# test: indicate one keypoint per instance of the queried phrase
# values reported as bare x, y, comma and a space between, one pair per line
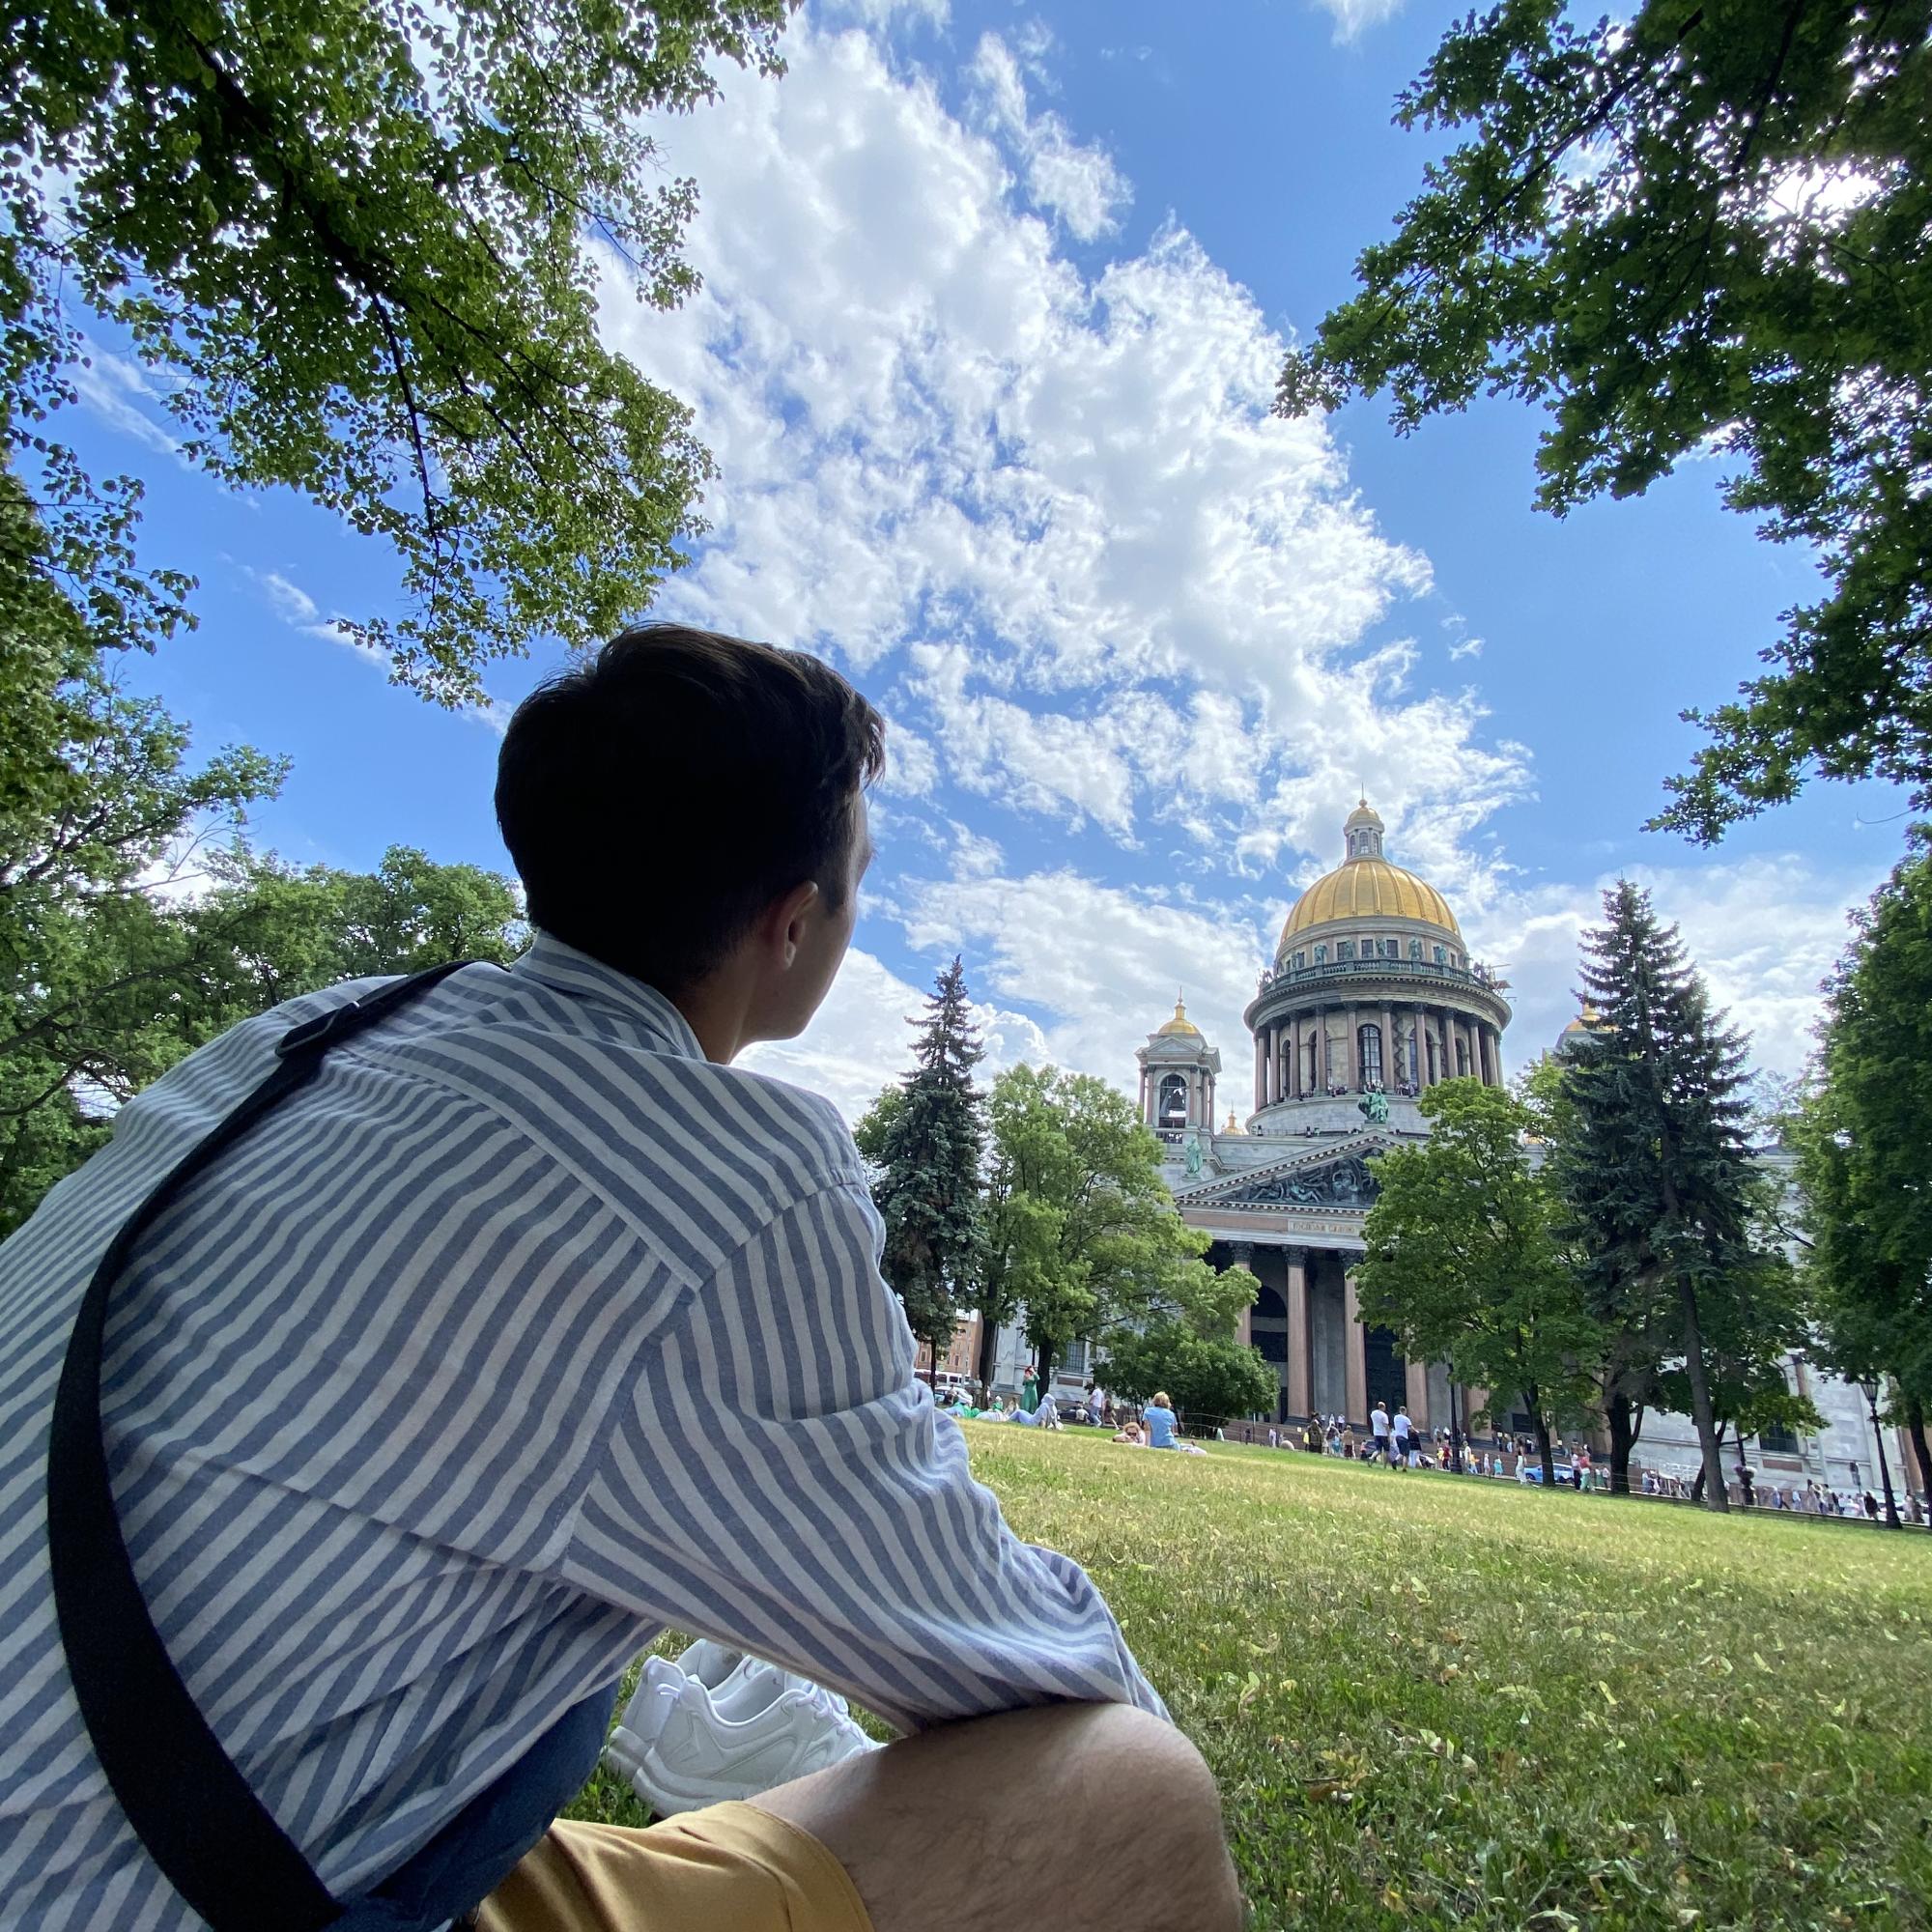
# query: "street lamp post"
1871, 1389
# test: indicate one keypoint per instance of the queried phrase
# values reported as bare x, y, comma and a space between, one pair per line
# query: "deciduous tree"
361, 249
1694, 228
1464, 1262
1864, 1141
1211, 1377
1082, 1236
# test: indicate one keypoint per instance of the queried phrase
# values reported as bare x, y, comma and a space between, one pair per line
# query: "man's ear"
788, 919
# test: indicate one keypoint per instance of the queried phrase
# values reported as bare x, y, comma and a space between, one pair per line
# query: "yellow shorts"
729, 1865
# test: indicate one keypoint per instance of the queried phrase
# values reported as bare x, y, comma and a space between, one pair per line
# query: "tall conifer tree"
1654, 1164
926, 1147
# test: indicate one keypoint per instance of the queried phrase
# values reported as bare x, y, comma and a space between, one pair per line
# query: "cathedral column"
1241, 1254
1277, 1085
1496, 1052
1260, 1068
1298, 1397
1355, 1364
1144, 1094
1353, 1061
1388, 1048
1417, 1384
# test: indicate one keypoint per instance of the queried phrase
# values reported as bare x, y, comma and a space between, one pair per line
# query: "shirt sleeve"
781, 1481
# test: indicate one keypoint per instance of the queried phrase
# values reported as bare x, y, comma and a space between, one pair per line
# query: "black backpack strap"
211, 1836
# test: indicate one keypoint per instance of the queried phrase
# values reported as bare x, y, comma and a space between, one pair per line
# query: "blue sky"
994, 298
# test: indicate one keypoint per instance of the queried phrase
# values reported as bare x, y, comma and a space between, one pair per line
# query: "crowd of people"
1396, 1442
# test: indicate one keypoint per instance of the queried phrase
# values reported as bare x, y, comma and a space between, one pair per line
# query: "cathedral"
1369, 1000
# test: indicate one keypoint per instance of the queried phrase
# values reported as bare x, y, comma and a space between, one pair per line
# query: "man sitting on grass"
527, 1329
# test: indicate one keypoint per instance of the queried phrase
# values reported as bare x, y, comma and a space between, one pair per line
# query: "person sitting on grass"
1159, 1421
511, 1325
1129, 1433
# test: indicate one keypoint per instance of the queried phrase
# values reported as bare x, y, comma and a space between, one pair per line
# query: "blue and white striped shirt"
522, 1334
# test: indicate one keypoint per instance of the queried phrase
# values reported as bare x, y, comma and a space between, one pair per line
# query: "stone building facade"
1370, 999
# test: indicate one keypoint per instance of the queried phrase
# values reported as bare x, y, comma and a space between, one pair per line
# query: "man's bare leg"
1095, 1814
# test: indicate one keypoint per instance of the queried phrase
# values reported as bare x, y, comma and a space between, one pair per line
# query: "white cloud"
1764, 931
888, 13
912, 767
974, 855
860, 1041
1079, 183
293, 605
1101, 964
1354, 17
115, 388
1147, 595
297, 609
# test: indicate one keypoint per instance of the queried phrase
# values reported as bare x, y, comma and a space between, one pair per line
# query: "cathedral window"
1441, 955
1369, 1049
1302, 959
1172, 1102
1344, 948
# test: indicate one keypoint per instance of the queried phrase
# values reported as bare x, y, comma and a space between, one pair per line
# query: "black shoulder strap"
217, 1842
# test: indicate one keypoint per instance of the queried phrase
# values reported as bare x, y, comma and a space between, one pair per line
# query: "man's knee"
1152, 1812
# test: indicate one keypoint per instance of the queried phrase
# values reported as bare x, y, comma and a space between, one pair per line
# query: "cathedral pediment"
1332, 1177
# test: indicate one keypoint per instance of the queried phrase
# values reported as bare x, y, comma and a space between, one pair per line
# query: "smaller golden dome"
1587, 1021
1364, 813
1231, 1127
1179, 1023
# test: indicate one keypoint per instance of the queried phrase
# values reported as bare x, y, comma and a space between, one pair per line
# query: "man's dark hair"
657, 798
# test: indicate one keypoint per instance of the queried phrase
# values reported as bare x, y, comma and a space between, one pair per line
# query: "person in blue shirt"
1159, 1420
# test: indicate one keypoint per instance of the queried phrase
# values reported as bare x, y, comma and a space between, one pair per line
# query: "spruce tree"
927, 1149
1655, 1171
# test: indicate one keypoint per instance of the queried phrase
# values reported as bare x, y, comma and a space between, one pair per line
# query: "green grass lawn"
1433, 1700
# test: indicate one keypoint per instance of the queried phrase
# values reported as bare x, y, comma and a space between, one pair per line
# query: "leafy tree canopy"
1211, 1377
1463, 1261
1700, 228
1082, 1234
1863, 1139
361, 247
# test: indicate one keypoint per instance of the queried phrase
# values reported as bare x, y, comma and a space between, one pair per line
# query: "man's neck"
719, 1014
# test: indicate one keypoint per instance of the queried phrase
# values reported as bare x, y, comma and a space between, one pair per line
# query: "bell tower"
1178, 1071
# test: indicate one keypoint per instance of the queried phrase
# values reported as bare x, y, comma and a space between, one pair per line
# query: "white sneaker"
721, 1669
683, 1746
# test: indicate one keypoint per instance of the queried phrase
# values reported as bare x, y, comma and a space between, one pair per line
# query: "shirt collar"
563, 968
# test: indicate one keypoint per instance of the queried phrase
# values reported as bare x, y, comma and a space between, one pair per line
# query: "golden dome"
1179, 1023
1369, 889
1589, 1020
